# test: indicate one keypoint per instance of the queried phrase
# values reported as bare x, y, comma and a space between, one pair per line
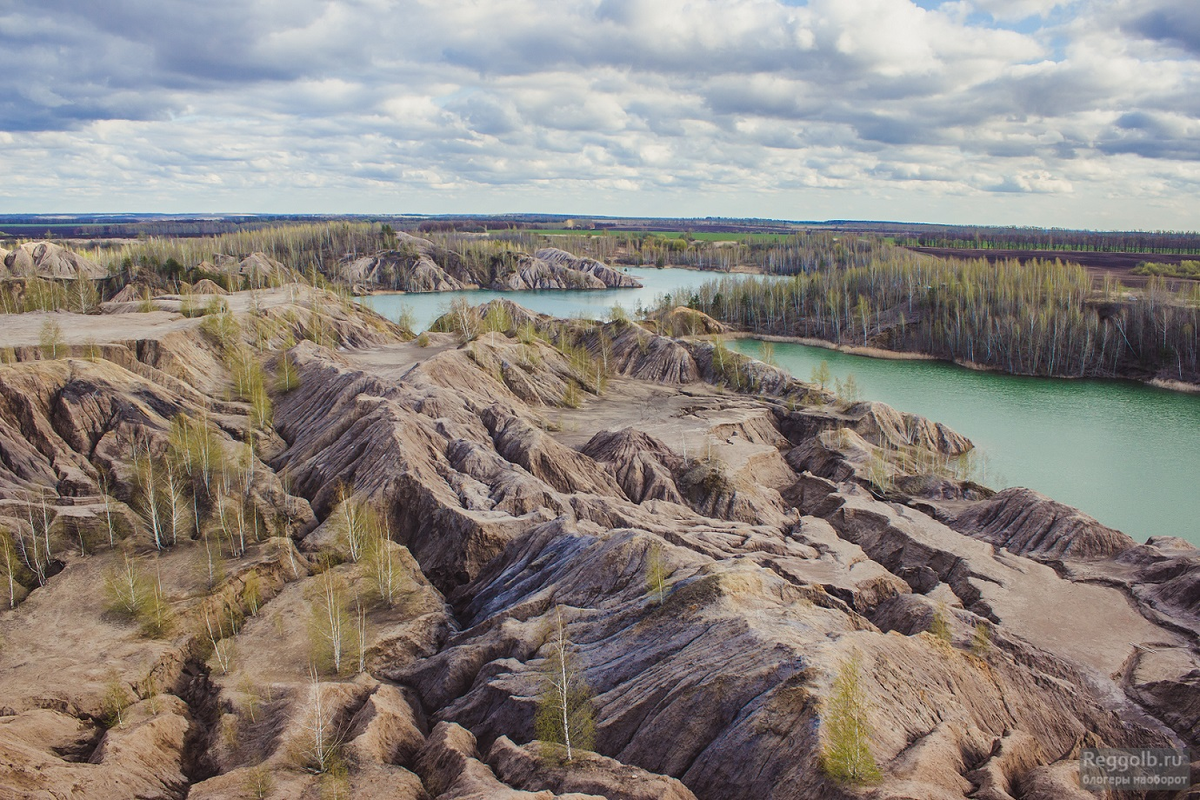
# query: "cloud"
1016, 10
1154, 135
1176, 23
650, 106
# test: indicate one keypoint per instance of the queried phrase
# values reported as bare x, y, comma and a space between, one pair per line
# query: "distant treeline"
1179, 243
775, 255
1040, 318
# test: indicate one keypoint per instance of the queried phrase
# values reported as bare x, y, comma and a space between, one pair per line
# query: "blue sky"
1035, 112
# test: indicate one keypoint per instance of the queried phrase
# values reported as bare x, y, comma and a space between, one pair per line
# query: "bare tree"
35, 548
148, 479
318, 749
330, 625
564, 714
356, 522
360, 634
657, 573
105, 492
384, 567
8, 552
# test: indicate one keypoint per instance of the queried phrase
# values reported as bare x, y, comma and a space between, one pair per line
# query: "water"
590, 303
1125, 453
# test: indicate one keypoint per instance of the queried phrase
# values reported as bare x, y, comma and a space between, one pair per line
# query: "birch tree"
846, 755
657, 574
10, 563
317, 749
331, 630
385, 569
564, 714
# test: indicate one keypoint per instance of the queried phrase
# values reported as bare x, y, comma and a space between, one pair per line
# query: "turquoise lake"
589, 303
1127, 454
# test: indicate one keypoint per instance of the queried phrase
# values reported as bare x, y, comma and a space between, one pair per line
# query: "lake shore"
848, 349
902, 355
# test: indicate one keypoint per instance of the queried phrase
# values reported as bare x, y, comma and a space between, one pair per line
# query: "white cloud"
742, 107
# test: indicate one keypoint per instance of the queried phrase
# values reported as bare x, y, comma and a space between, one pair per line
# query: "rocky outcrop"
397, 270
206, 287
698, 672
258, 269
559, 466
644, 467
419, 265
532, 768
1026, 522
46, 260
684, 321
604, 274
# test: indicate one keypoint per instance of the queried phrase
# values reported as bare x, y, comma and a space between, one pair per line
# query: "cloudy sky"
1080, 114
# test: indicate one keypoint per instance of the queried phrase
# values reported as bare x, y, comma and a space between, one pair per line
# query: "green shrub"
114, 701
51, 339
288, 378
571, 397
223, 329
133, 595
846, 756
981, 642
939, 625
565, 721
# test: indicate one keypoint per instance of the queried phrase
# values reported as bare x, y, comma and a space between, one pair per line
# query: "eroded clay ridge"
419, 265
196, 509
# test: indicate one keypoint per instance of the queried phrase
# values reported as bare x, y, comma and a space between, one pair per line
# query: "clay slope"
414, 265
46, 260
613, 279
689, 675
712, 537
256, 269
419, 265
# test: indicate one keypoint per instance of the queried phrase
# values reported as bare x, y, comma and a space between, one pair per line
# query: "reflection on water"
589, 303
1127, 454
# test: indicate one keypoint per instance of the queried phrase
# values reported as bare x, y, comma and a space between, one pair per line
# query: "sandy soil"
850, 349
393, 360
121, 322
695, 421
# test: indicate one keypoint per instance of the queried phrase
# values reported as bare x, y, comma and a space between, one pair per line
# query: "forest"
1164, 242
1038, 318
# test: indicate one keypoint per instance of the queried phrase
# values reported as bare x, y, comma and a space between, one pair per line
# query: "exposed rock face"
532, 769
684, 321
419, 265
398, 270
644, 467
606, 275
205, 286
258, 268
46, 260
711, 584
1029, 523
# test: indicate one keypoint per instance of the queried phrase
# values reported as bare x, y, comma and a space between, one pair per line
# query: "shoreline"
628, 269
848, 349
896, 355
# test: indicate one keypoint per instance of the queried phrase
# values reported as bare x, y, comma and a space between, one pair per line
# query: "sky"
1013, 112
